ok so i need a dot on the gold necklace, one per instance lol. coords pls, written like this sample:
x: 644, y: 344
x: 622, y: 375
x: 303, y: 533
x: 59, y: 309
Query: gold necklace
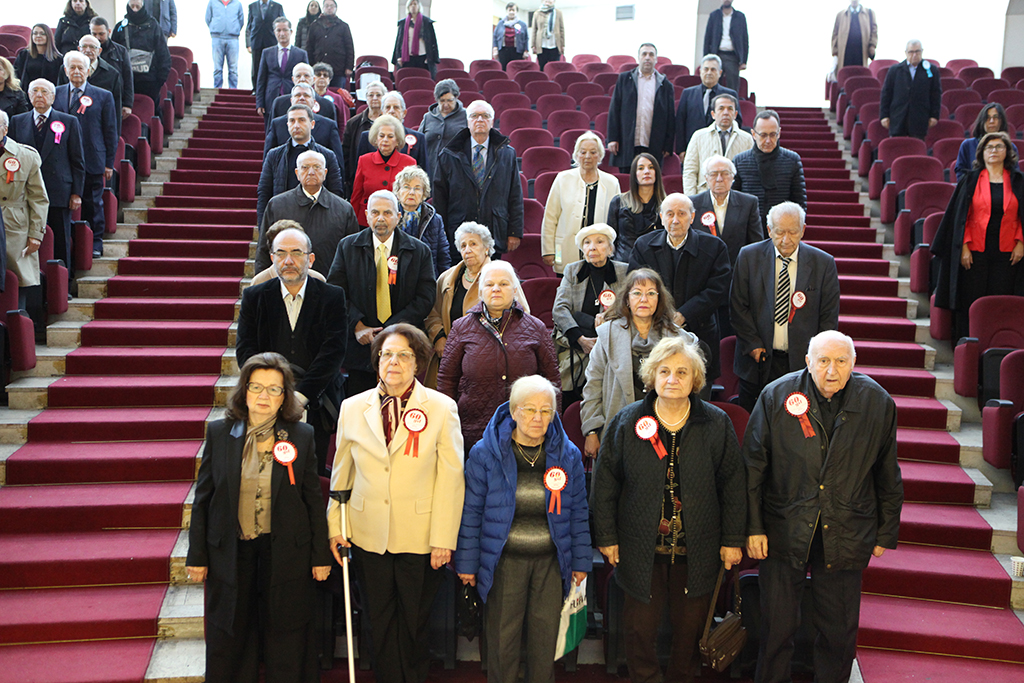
x: 522, y: 452
x: 669, y: 425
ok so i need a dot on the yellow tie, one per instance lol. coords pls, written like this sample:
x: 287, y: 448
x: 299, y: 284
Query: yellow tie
x: 383, y: 289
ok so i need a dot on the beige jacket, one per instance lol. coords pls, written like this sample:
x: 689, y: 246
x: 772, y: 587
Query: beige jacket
x: 868, y: 33
x: 703, y: 145
x: 25, y: 204
x: 563, y: 213
x: 399, y: 503
x: 537, y: 32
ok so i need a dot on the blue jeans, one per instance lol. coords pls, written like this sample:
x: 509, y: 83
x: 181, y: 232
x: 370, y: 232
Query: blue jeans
x: 225, y: 48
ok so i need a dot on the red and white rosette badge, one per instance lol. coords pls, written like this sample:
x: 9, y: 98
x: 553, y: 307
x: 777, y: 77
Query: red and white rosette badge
x: 415, y: 420
x: 285, y: 453
x: 58, y: 129
x: 708, y: 219
x: 606, y: 298
x: 410, y: 140
x: 315, y: 107
x: 83, y: 103
x: 799, y: 301
x: 392, y: 270
x: 647, y: 429
x: 797, y: 405
x: 12, y: 165
x: 555, y: 480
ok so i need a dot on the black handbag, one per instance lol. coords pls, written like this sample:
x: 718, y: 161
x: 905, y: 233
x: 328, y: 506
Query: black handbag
x: 469, y: 610
x: 721, y: 645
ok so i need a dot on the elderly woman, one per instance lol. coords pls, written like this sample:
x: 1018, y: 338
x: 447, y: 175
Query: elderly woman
x: 642, y: 315
x: 399, y: 466
x: 669, y: 504
x: 579, y: 197
x: 258, y: 535
x: 491, y: 347
x: 416, y: 42
x: 330, y: 40
x: 323, y: 74
x: 443, y: 120
x: 302, y: 28
x: 511, y: 39
x: 360, y: 123
x: 419, y: 219
x: 377, y: 170
x: 586, y: 291
x: 13, y: 99
x: 979, y: 243
x: 73, y: 24
x: 637, y: 212
x: 991, y: 119
x: 522, y: 553
x: 40, y: 59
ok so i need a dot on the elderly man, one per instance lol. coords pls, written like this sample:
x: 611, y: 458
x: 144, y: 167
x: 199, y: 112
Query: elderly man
x: 276, y: 66
x: 723, y: 137
x: 641, y: 114
x: 359, y: 124
x: 854, y: 36
x: 24, y: 204
x: 768, y: 171
x: 824, y: 493
x: 97, y: 115
x: 259, y: 35
x: 325, y: 130
x: 415, y: 144
x: 402, y: 269
x: 911, y: 95
x: 117, y: 56
x: 101, y: 73
x: 58, y: 139
x: 304, y: 320
x: 477, y: 179
x: 326, y: 217
x: 694, y: 266
x: 694, y: 112
x: 726, y: 36
x: 443, y: 120
x: 783, y: 293
x: 278, y: 173
x: 302, y: 74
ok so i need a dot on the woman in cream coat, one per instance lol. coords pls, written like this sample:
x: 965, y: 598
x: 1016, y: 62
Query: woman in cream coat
x: 399, y: 463
x: 579, y: 197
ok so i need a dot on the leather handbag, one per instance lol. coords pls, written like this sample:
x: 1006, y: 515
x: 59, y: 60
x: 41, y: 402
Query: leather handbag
x: 721, y: 645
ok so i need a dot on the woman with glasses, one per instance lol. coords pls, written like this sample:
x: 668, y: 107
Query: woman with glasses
x: 979, y: 243
x: 991, y: 119
x: 522, y: 553
x: 258, y: 535
x: 40, y: 59
x: 419, y: 219
x: 398, y: 468
x: 491, y: 347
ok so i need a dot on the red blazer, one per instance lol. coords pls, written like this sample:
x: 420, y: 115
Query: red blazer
x: 373, y: 174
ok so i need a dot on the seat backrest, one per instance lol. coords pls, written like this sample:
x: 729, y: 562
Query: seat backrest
x: 414, y: 115
x: 410, y: 72
x: 46, y: 247
x: 566, y: 119
x: 131, y: 129
x: 467, y: 84
x: 567, y: 78
x: 542, y: 186
x: 682, y: 82
x: 18, y: 30
x: 373, y: 60
x: 180, y: 63
x: 617, y: 60
x: 418, y: 98
x: 579, y: 91
x: 542, y: 159
x: 469, y: 96
x: 478, y: 65
x: 549, y: 103
x: 553, y: 68
x: 737, y: 415
x: 671, y: 71
x: 958, y: 64
x: 540, y: 293
x: 482, y: 77
x: 848, y: 72
x: 498, y: 86
x: 514, y: 119
x: 572, y: 423
x: 931, y: 226
x: 451, y: 63
x: 984, y: 86
x: 608, y: 81
x: 954, y: 98
x: 1013, y: 73
x: 414, y: 83
x: 729, y: 380
x: 966, y: 113
x: 584, y: 58
x: 1015, y: 115
x: 925, y: 198
x: 866, y: 113
x: 1006, y: 96
x: 973, y: 73
x: 953, y: 83
x: 945, y: 128
x: 523, y: 139
x: 451, y: 73
x: 997, y: 322
x: 908, y: 170
x: 601, y: 123
x: 524, y: 77
x: 882, y: 73
x: 12, y: 42
x: 893, y: 148
x: 527, y: 260
x: 533, y: 216
x: 591, y: 69
x: 865, y: 96
x: 142, y: 106
x: 628, y: 66
x: 946, y: 151
x: 509, y: 100
x: 381, y: 71
x: 876, y: 133
x: 539, y: 89
x: 1010, y: 387
x: 859, y: 82
x: 518, y: 65
x: 595, y: 105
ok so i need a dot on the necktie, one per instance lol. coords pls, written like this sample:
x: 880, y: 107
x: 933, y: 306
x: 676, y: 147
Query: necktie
x: 782, y: 293
x: 479, y: 166
x: 707, y: 102
x: 724, y: 135
x: 40, y: 122
x: 76, y: 95
x: 383, y: 289
x: 284, y: 65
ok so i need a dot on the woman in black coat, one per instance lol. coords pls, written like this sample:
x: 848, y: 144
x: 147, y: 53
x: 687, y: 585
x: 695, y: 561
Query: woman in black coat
x: 142, y: 33
x: 258, y: 535
x: 669, y: 505
x: 13, y: 99
x: 73, y: 25
x: 330, y: 40
x: 40, y: 59
x: 635, y: 213
x: 416, y: 43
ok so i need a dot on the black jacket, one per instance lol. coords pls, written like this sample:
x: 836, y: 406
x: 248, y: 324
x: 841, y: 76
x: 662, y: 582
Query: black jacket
x: 742, y: 221
x: 117, y: 56
x: 63, y: 164
x: 691, y: 115
x: 70, y: 30
x: 622, y: 118
x: 327, y: 222
x: 100, y: 122
x: 139, y: 31
x: 30, y: 68
x: 325, y: 132
x: 458, y: 198
x: 427, y: 35
x: 849, y: 483
x: 908, y: 104
x: 260, y: 31
x: 276, y: 177
x: 354, y: 127
x: 789, y: 180
x: 14, y: 102
x: 737, y: 31
x: 628, y: 490
x: 330, y: 40
x: 630, y: 226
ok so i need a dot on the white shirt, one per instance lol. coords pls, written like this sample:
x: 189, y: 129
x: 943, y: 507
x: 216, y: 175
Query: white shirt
x: 46, y: 115
x: 646, y: 88
x: 293, y: 304
x: 726, y: 44
x: 280, y: 52
x: 913, y: 71
x: 781, y: 339
x: 720, y: 211
x: 389, y: 243
x: 676, y: 247
x: 314, y: 197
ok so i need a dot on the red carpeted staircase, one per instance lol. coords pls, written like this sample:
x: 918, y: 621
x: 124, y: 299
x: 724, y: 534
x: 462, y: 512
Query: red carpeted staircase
x: 95, y: 501
x: 938, y: 607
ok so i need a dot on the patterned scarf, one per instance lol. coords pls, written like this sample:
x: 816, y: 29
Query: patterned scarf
x: 253, y: 463
x: 391, y: 409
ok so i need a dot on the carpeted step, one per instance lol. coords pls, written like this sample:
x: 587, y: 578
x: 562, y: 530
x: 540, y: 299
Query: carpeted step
x: 880, y: 329
x: 223, y: 143
x: 187, y: 249
x: 941, y: 628
x: 868, y: 286
x: 83, y: 391
x: 927, y: 445
x: 883, y: 666
x: 233, y: 229
x: 935, y: 483
x: 848, y: 250
x: 65, y: 462
x: 947, y: 526
x: 160, y: 333
x: 886, y: 306
x: 165, y: 286
x: 86, y: 558
x: 890, y: 354
x: 931, y: 573
x: 225, y: 267
x: 830, y: 184
x: 250, y: 178
x: 839, y: 172
x: 832, y: 209
x: 165, y: 309
x: 114, y: 661
x: 203, y: 190
x: 190, y: 164
x: 182, y: 202
x: 92, y: 507
x: 246, y: 125
x: 873, y: 267
x: 118, y: 424
x: 240, y: 154
x: 96, y: 613
x: 851, y: 197
x: 838, y: 220
x: 828, y: 164
x: 920, y: 413
x: 122, y: 360
x: 821, y: 236
x: 200, y: 217
x: 902, y: 381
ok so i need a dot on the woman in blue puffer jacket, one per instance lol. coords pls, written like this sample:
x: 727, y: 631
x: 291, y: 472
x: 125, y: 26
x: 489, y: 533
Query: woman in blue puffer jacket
x: 524, y: 537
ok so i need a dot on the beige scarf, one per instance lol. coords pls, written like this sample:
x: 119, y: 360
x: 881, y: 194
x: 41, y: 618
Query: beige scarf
x: 254, y: 488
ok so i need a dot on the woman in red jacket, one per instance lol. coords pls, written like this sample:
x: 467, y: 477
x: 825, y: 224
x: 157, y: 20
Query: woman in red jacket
x: 377, y: 170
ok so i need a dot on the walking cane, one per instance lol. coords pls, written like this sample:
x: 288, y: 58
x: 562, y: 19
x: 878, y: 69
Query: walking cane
x: 338, y: 496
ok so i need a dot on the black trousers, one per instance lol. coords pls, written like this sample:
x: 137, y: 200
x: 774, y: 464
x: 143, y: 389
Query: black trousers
x: 548, y: 54
x: 640, y: 624
x: 399, y: 589
x: 637, y: 150
x: 836, y: 616
x: 92, y: 208
x: 990, y: 274
x: 778, y: 365
x: 420, y: 62
x: 730, y: 70
x: 507, y: 54
x: 59, y: 219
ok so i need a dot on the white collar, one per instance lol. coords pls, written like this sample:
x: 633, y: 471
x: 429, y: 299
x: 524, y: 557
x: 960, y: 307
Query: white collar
x: 796, y: 252
x: 389, y: 242
x: 302, y: 290
x: 314, y: 197
x: 46, y: 114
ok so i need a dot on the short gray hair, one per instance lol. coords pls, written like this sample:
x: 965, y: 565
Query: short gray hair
x: 591, y: 136
x: 394, y: 95
x: 915, y: 41
x: 303, y: 66
x: 302, y: 86
x: 310, y: 153
x: 786, y: 209
x: 413, y: 173
x: 386, y: 195
x: 712, y: 57
x: 283, y: 20
x: 530, y: 385
x: 503, y: 266
x: 715, y: 158
x: 482, y: 104
x: 387, y: 120
x: 446, y: 86
x: 44, y: 82
x: 72, y: 55
x: 378, y: 85
x: 481, y: 231
x: 4, y: 121
x: 830, y: 335
x: 668, y: 347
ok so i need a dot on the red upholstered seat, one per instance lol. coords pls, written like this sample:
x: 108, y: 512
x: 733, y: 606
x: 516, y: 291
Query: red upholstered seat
x: 514, y: 119
x: 539, y: 89
x: 921, y: 258
x: 21, y: 338
x: 372, y: 60
x: 618, y: 60
x: 1012, y: 74
x: 973, y: 73
x: 478, y: 65
x: 414, y: 115
x: 554, y: 68
x: 1002, y: 425
x: 1006, y: 96
x: 628, y: 66
x: 17, y: 30
x: 523, y: 139
x: 737, y: 415
x: 451, y: 73
x: 467, y: 85
x: 945, y: 128
x: 563, y: 120
x: 451, y: 63
x: 729, y: 381
x: 131, y: 133
x: 517, y: 65
x: 856, y: 101
x: 542, y: 159
x: 958, y: 64
x: 527, y: 260
x: 920, y: 200
x: 886, y: 151
x: 542, y: 186
x: 549, y: 103
x: 482, y: 77
x: 12, y: 43
x: 573, y: 424
x: 906, y: 171
x: 533, y: 216
x: 584, y: 58
x: 54, y: 276
x: 946, y: 151
x: 984, y: 86
x: 414, y: 98
x: 495, y: 87
x: 414, y: 83
x: 681, y: 82
x: 469, y: 96
x: 567, y: 78
x: 607, y: 81
x: 524, y: 77
x: 672, y: 71
x: 580, y: 91
x: 953, y: 83
x: 540, y: 293
x: 954, y: 98
x: 509, y: 100
x: 995, y: 322
x: 966, y: 113
x: 407, y: 72
x: 593, y: 68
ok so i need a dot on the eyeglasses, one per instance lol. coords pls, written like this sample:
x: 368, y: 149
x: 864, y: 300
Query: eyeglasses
x: 296, y: 254
x: 718, y: 174
x: 530, y: 413
x: 995, y: 148
x: 637, y: 294
x: 404, y: 357
x: 770, y: 136
x: 273, y: 390
x: 480, y: 115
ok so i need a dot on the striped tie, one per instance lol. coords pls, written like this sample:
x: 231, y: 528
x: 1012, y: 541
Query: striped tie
x: 40, y: 122
x: 782, y: 293
x: 479, y: 166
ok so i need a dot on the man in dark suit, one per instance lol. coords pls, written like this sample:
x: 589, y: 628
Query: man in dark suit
x: 768, y: 170
x: 117, y: 56
x: 305, y: 321
x: 394, y: 105
x: 302, y: 74
x: 783, y: 293
x: 694, y: 266
x: 279, y: 165
x: 101, y: 73
x: 274, y: 75
x: 726, y: 36
x: 58, y: 139
x: 646, y: 96
x: 97, y: 115
x: 259, y: 34
x: 695, y: 111
x: 326, y: 217
x: 379, y: 255
x: 911, y: 95
x: 325, y: 130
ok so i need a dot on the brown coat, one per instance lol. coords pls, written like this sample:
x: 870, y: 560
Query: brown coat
x: 868, y: 32
x: 537, y: 31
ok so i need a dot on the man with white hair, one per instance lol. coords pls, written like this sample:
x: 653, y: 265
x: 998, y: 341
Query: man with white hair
x: 277, y: 66
x: 302, y: 74
x: 783, y: 293
x: 402, y: 270
x: 415, y: 144
x: 824, y: 494
x: 325, y: 130
x: 102, y: 74
x: 911, y: 95
x: 97, y: 115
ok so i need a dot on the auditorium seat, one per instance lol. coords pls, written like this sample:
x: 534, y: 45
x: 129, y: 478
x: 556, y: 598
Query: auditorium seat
x: 487, y: 75
x: 996, y: 327
x: 920, y: 200
x: 533, y: 216
x: 567, y: 78
x: 525, y: 77
x: 959, y: 64
x: 595, y: 105
x: 523, y: 139
x: 584, y: 58
x: 414, y: 83
x: 542, y: 159
x: 539, y: 89
x: 562, y: 120
x: 954, y: 98
x: 550, y: 103
x: 414, y: 98
x: 945, y: 128
x: 965, y: 114
x: 451, y: 63
x: 540, y: 293
x: 527, y: 260
x: 886, y: 151
x: 904, y: 172
x: 517, y: 65
x: 514, y: 119
x: 478, y: 65
x: 542, y: 186
x: 509, y: 100
x: 554, y: 68
x: 54, y: 277
x: 1006, y: 97
x: 497, y: 86
x: 1002, y: 423
x: 984, y: 86
x: 580, y: 91
x: 591, y: 69
x: 946, y: 152
x: 973, y: 73
x: 373, y: 60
